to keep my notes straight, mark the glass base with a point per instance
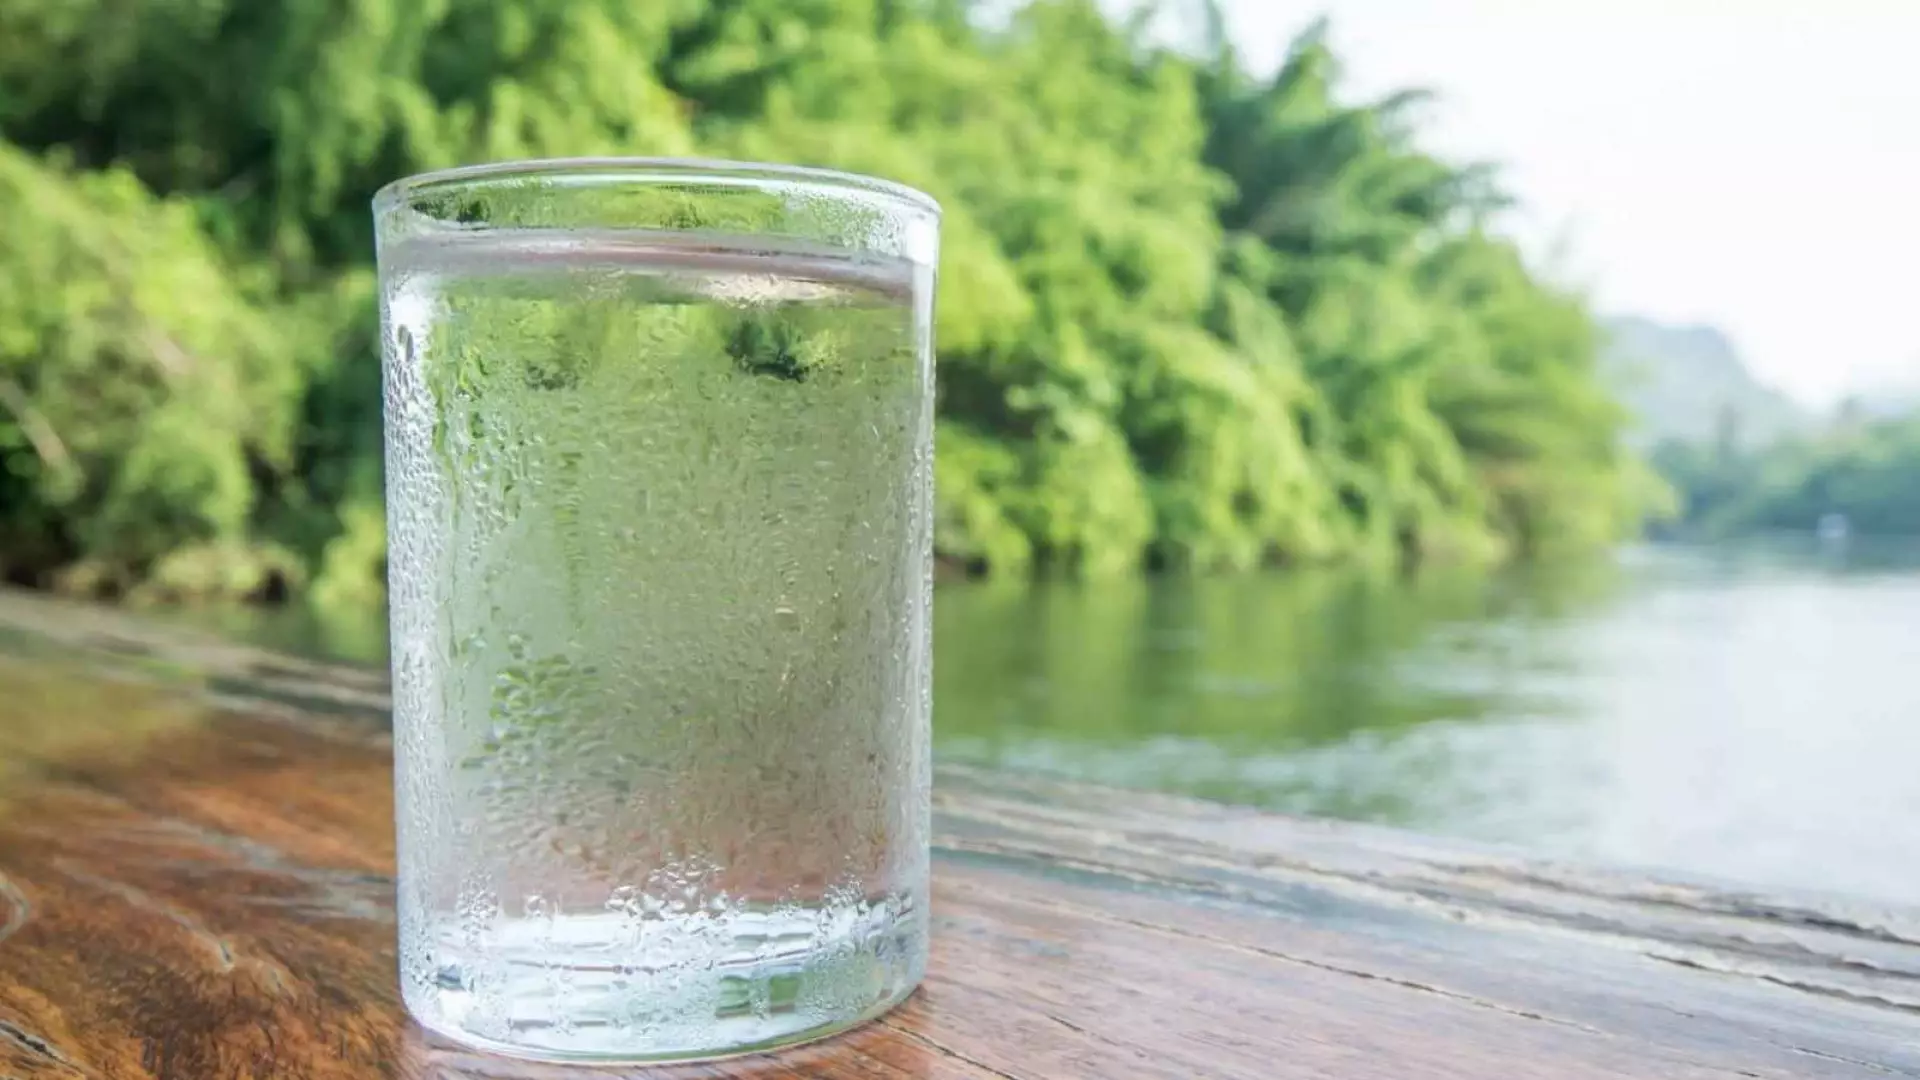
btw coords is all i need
(568, 989)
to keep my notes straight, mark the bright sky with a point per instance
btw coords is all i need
(1754, 164)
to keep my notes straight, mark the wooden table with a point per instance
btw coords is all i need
(196, 838)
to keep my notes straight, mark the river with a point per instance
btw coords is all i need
(1751, 715)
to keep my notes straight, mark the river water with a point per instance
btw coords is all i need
(1751, 715)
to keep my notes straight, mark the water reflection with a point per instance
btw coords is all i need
(1752, 714)
(1234, 689)
(1747, 714)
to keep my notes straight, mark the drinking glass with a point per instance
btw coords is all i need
(659, 449)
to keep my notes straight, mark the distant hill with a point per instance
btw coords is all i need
(1889, 403)
(1688, 383)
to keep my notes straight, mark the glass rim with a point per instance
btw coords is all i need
(657, 170)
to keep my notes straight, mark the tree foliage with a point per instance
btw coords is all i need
(1867, 472)
(1188, 316)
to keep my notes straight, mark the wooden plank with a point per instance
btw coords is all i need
(195, 843)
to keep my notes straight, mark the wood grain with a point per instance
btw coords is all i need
(195, 843)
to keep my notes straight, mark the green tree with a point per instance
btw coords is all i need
(1456, 404)
(1188, 317)
(143, 392)
(1868, 473)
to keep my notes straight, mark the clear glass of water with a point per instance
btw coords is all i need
(659, 452)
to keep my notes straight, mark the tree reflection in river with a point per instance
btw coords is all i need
(1747, 713)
